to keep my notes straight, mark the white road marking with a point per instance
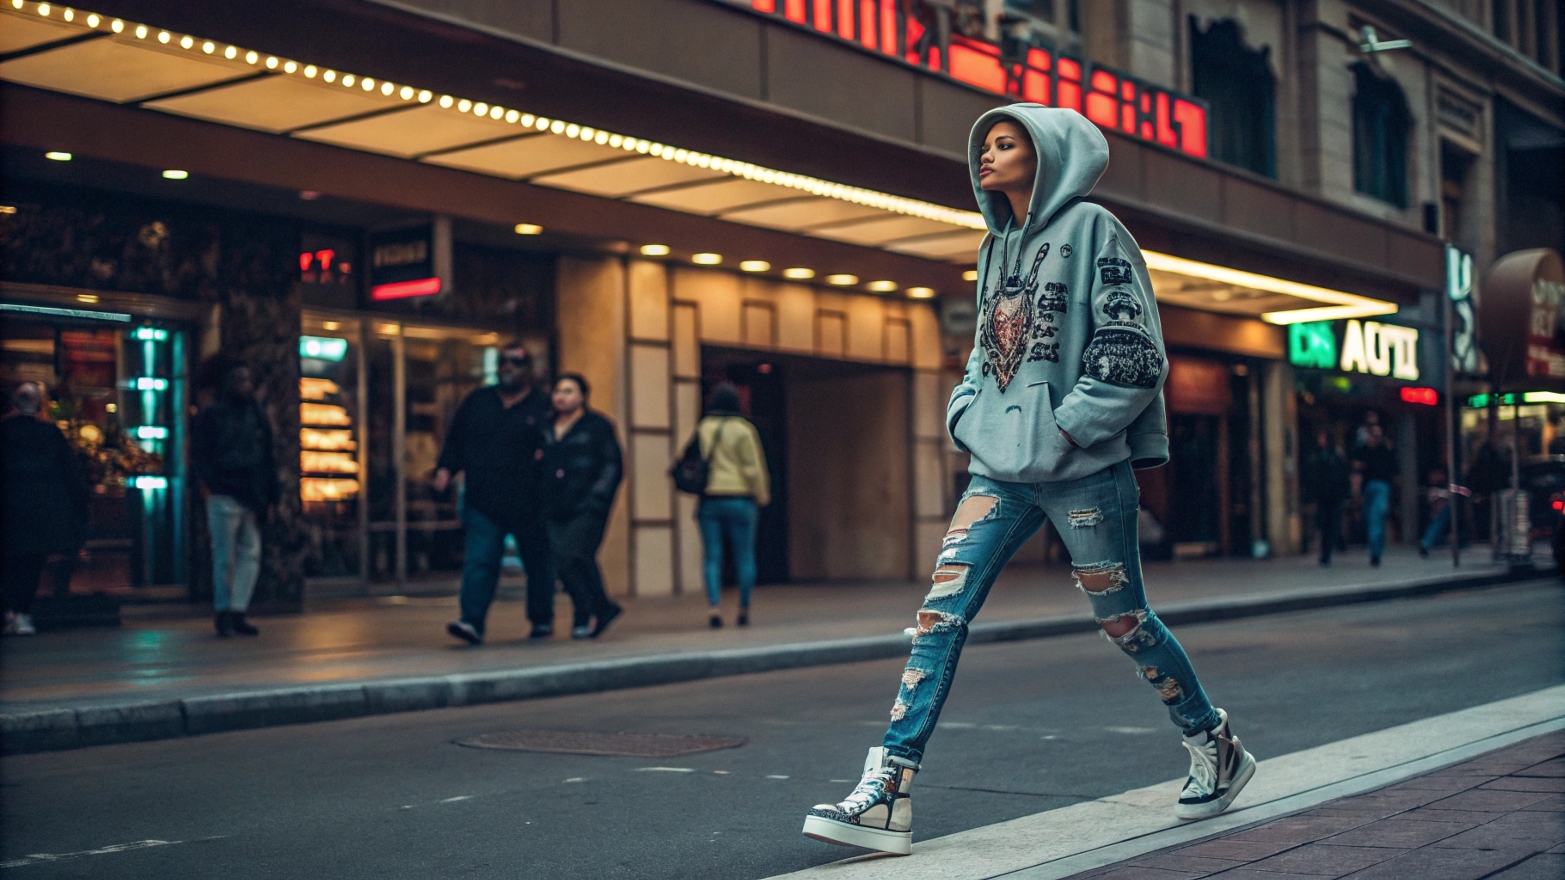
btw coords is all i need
(1059, 843)
(720, 772)
(43, 858)
(1132, 731)
(460, 797)
(776, 777)
(665, 769)
(577, 779)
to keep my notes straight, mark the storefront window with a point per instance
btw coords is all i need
(117, 389)
(330, 446)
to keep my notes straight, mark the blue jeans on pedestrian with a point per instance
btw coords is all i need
(1377, 503)
(734, 517)
(1439, 527)
(236, 552)
(1096, 518)
(485, 546)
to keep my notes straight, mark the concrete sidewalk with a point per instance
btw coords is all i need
(163, 676)
(1499, 816)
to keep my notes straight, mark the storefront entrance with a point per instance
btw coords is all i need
(116, 384)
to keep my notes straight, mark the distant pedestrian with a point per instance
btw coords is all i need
(583, 471)
(45, 502)
(231, 454)
(1376, 465)
(1442, 504)
(1331, 476)
(496, 438)
(737, 487)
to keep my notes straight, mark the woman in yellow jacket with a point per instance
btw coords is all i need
(737, 487)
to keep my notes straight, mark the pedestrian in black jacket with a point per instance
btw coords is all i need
(496, 438)
(231, 454)
(1330, 483)
(584, 471)
(45, 502)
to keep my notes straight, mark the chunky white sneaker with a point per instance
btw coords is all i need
(1219, 769)
(878, 814)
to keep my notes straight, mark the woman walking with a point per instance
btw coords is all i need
(584, 467)
(737, 488)
(1061, 398)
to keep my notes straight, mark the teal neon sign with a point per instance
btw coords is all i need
(326, 348)
(1312, 345)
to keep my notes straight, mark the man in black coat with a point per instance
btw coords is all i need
(496, 437)
(45, 502)
(584, 471)
(1330, 478)
(231, 454)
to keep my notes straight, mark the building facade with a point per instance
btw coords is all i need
(663, 194)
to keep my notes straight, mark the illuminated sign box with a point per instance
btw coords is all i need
(1109, 98)
(402, 264)
(1354, 346)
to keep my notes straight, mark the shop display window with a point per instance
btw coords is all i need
(330, 464)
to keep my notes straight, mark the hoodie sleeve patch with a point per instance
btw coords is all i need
(1123, 355)
(1115, 271)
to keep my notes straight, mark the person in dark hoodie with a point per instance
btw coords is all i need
(45, 502)
(584, 467)
(231, 453)
(1062, 397)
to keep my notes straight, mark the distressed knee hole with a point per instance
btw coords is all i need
(1085, 519)
(931, 621)
(911, 677)
(1168, 688)
(948, 580)
(1127, 631)
(1101, 578)
(899, 710)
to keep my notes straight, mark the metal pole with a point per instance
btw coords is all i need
(399, 465)
(361, 366)
(1451, 434)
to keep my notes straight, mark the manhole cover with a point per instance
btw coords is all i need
(635, 745)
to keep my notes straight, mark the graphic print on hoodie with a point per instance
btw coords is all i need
(1068, 336)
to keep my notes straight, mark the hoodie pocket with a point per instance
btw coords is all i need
(1013, 436)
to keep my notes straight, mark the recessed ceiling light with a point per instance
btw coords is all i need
(842, 280)
(58, 156)
(309, 195)
(175, 174)
(706, 259)
(754, 266)
(799, 273)
(528, 229)
(882, 286)
(654, 250)
(921, 292)
(970, 275)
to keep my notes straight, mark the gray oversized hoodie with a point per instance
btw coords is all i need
(1068, 334)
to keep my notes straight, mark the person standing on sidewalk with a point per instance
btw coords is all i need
(1376, 465)
(1062, 396)
(1331, 485)
(231, 454)
(496, 438)
(45, 502)
(737, 487)
(584, 467)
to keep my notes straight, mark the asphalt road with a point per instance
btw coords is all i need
(1031, 726)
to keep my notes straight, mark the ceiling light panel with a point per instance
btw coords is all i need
(961, 245)
(802, 213)
(623, 178)
(24, 31)
(120, 69)
(881, 230)
(275, 104)
(716, 197)
(412, 132)
(526, 156)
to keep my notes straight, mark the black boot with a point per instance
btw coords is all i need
(237, 619)
(224, 623)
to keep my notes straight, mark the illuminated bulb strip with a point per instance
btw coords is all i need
(748, 171)
(1343, 304)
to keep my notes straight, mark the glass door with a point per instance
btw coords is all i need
(332, 388)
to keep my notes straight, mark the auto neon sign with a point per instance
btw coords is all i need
(1368, 347)
(1111, 99)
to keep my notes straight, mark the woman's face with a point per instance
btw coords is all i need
(567, 396)
(1008, 162)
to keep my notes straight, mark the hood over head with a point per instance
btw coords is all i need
(1072, 155)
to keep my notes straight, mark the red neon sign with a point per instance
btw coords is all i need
(1422, 396)
(1111, 99)
(405, 289)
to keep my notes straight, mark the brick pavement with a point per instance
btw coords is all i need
(1500, 816)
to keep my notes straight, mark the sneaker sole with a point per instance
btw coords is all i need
(1212, 808)
(898, 843)
(460, 633)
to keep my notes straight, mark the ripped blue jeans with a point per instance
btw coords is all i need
(1096, 518)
